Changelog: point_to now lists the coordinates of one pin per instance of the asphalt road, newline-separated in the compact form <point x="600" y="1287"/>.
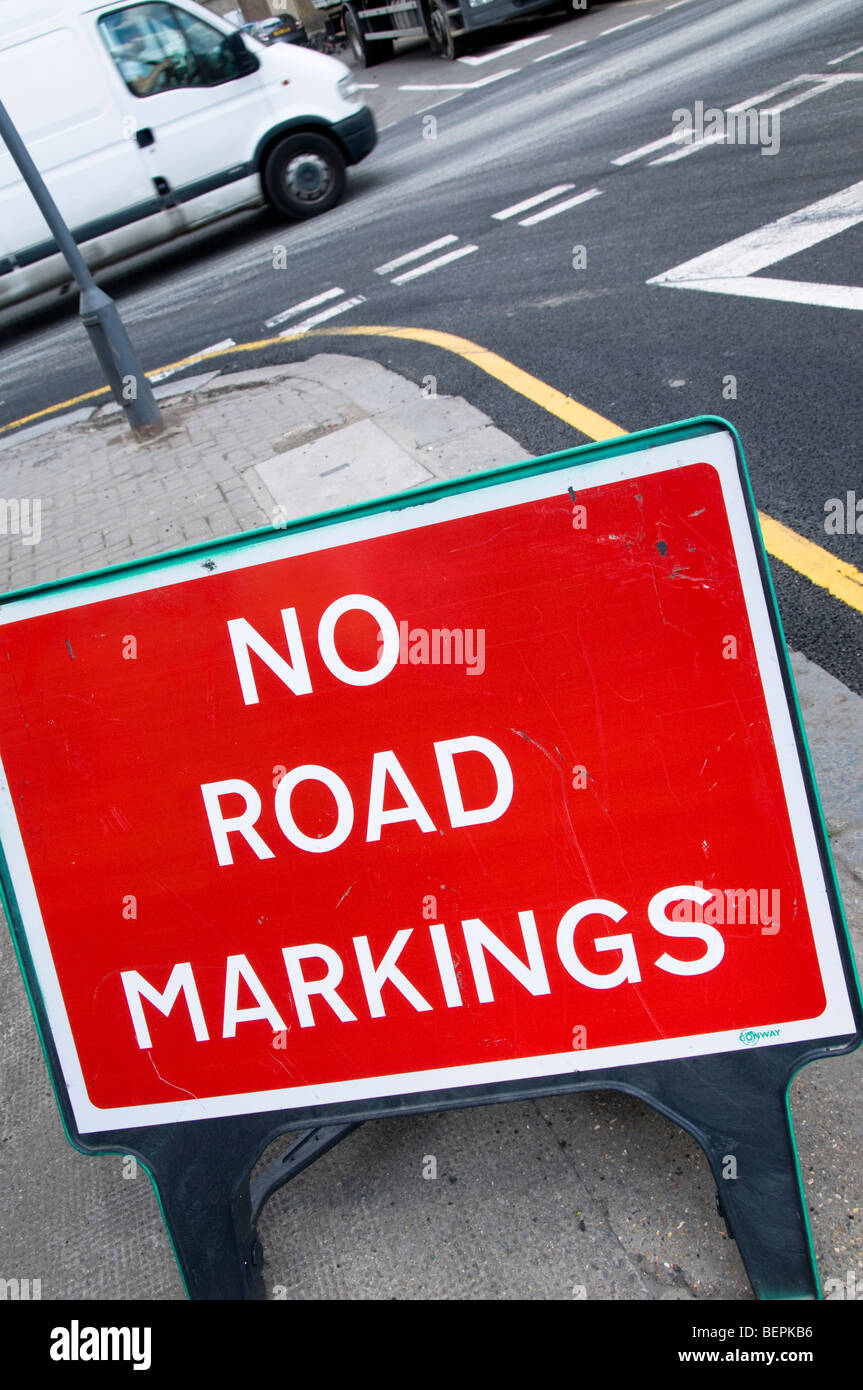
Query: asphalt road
<point x="564" y="108"/>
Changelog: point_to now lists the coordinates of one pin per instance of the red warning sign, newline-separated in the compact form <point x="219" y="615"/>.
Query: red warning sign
<point x="499" y="784"/>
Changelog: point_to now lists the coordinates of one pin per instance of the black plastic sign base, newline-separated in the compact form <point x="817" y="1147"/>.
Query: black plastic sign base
<point x="201" y="1172"/>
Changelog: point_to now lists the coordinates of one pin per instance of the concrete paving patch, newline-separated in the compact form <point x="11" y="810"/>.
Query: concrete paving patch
<point x="354" y="464"/>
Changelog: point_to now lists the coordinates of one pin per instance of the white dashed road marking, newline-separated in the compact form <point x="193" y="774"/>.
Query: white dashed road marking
<point x="457" y="86"/>
<point x="843" y="57"/>
<point x="479" y="59"/>
<point x="642" y="150"/>
<point x="303" y="306"/>
<point x="325" y="314"/>
<point x="533" y="202"/>
<point x="560" y="207"/>
<point x="434" y="265"/>
<point x="555" y="51"/>
<point x="617" y="28"/>
<point x="415" y="255"/>
<point x="818" y="83"/>
<point x="154" y="377"/>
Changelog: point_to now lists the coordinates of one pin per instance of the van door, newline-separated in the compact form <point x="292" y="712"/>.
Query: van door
<point x="58" y="96"/>
<point x="197" y="99"/>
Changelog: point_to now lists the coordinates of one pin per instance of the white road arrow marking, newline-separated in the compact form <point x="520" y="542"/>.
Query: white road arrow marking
<point x="733" y="267"/>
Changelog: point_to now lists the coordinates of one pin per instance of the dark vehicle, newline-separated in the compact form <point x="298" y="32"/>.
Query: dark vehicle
<point x="281" y="29"/>
<point x="371" y="27"/>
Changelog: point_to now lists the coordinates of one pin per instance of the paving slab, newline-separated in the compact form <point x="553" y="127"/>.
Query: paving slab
<point x="343" y="467"/>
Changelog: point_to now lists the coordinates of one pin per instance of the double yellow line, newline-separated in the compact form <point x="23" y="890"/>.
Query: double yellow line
<point x="840" y="579"/>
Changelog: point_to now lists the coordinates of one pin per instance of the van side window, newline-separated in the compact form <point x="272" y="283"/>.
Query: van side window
<point x="158" y="47"/>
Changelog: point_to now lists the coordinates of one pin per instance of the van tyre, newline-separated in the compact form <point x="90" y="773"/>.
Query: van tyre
<point x="442" y="22"/>
<point x="304" y="175"/>
<point x="366" y="54"/>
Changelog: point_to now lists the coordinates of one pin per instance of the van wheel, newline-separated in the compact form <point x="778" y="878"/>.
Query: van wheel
<point x="366" y="54"/>
<point x="304" y="175"/>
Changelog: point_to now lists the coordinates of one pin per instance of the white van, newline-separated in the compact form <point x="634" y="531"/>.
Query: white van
<point x="150" y="117"/>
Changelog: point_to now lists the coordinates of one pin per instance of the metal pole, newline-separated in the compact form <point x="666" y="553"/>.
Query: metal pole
<point x="98" y="312"/>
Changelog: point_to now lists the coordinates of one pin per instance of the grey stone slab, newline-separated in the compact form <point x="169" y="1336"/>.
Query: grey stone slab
<point x="376" y="394"/>
<point x="354" y="464"/>
<point x="335" y="370"/>
<point x="473" y="453"/>
<point x="433" y="419"/>
<point x="367" y="384"/>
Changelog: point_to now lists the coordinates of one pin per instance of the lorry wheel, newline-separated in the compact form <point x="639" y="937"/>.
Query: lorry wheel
<point x="304" y="175"/>
<point x="366" y="54"/>
<point x="441" y="36"/>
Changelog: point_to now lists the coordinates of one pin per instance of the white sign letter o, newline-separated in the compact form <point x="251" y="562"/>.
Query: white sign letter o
<point x="388" y="651"/>
<point x="345" y="807"/>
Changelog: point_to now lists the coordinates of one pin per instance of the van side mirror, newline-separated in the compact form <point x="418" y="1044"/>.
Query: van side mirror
<point x="245" y="61"/>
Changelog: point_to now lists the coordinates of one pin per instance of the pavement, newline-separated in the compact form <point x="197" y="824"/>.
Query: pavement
<point x="587" y="1196"/>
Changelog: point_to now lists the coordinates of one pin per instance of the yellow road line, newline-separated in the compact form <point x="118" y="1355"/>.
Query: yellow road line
<point x="819" y="566"/>
<point x="555" y="402"/>
<point x="52" y="409"/>
<point x="839" y="578"/>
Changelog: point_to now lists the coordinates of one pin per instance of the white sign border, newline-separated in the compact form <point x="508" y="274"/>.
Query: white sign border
<point x="716" y="449"/>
